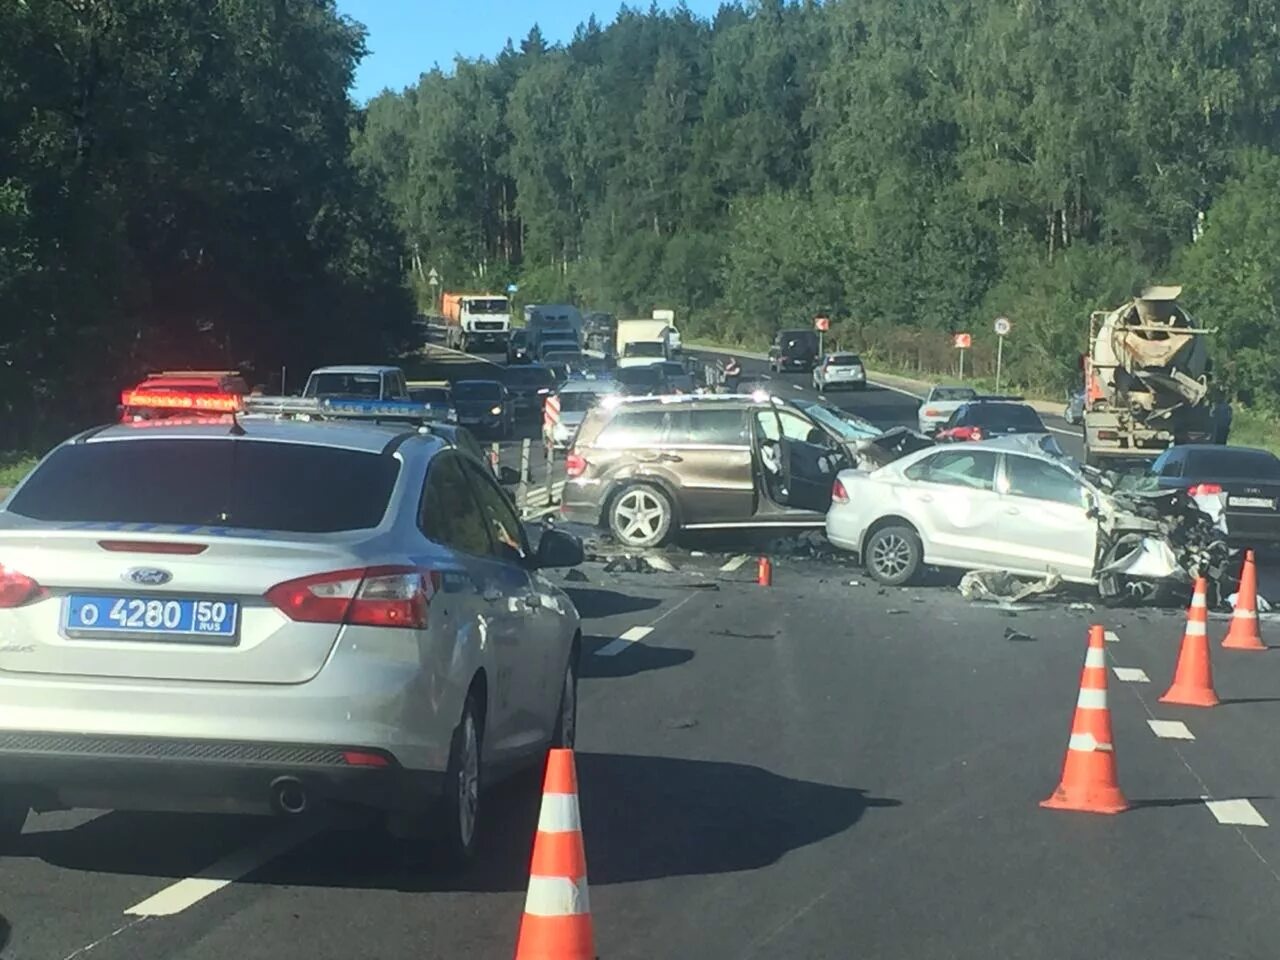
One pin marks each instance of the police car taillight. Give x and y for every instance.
(180, 400)
(17, 588)
(390, 596)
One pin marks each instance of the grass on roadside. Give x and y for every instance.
(14, 466)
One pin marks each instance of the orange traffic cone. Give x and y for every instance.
(1193, 679)
(1089, 772)
(557, 914)
(1244, 633)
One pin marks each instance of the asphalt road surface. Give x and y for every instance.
(814, 770)
(820, 769)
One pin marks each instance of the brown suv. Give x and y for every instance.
(648, 466)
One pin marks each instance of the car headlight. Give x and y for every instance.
(451, 415)
(495, 410)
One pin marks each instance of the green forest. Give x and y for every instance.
(188, 183)
(177, 190)
(912, 167)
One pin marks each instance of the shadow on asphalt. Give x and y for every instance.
(637, 658)
(593, 604)
(643, 818)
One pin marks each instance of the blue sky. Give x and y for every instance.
(407, 37)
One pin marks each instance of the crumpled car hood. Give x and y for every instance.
(1152, 534)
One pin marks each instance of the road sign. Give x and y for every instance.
(512, 288)
(821, 323)
(433, 277)
(963, 341)
(1003, 326)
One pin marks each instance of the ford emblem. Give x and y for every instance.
(148, 576)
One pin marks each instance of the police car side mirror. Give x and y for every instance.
(557, 548)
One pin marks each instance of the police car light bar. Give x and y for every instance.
(180, 400)
(344, 409)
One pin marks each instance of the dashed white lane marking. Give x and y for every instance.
(1131, 675)
(735, 563)
(624, 640)
(186, 893)
(56, 821)
(1170, 729)
(1111, 636)
(1239, 813)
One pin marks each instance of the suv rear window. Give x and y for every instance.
(364, 385)
(224, 482)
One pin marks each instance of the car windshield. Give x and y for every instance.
(1006, 416)
(363, 385)
(948, 394)
(644, 348)
(838, 424)
(578, 401)
(639, 375)
(845, 360)
(224, 481)
(487, 306)
(532, 376)
(519, 338)
(429, 394)
(1234, 464)
(477, 390)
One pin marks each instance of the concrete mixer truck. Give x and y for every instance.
(1147, 380)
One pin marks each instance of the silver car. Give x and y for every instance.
(576, 398)
(1019, 507)
(840, 370)
(266, 615)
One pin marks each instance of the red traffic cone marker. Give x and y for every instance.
(1089, 781)
(1244, 633)
(1193, 679)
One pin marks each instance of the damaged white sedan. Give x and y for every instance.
(1018, 504)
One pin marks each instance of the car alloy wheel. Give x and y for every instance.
(455, 821)
(893, 555)
(566, 732)
(468, 783)
(641, 516)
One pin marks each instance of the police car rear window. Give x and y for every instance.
(244, 484)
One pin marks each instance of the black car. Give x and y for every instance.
(518, 347)
(1249, 477)
(640, 381)
(676, 377)
(484, 406)
(984, 419)
(794, 350)
(529, 386)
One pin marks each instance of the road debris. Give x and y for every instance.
(1004, 589)
(576, 576)
(659, 562)
(1015, 637)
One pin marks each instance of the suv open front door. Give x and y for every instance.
(805, 469)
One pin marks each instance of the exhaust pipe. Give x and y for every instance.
(288, 796)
